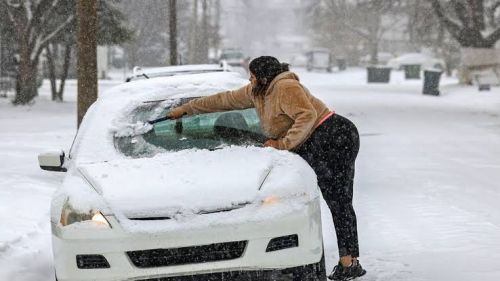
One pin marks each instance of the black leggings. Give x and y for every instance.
(331, 151)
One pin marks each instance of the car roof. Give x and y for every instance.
(146, 73)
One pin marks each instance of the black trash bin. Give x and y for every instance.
(378, 74)
(342, 64)
(412, 71)
(431, 82)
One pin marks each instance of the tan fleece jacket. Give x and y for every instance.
(288, 112)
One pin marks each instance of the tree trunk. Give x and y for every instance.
(193, 38)
(26, 88)
(173, 31)
(216, 35)
(64, 74)
(52, 71)
(57, 93)
(373, 52)
(204, 36)
(87, 56)
(373, 36)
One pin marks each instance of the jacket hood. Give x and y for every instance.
(287, 75)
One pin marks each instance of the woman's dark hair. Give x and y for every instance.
(265, 69)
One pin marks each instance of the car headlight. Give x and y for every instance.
(69, 216)
(270, 200)
(273, 199)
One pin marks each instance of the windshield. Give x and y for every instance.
(204, 131)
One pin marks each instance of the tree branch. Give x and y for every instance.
(453, 27)
(493, 37)
(461, 12)
(41, 42)
(12, 17)
(335, 11)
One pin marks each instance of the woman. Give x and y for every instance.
(297, 121)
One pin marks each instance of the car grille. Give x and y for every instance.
(187, 255)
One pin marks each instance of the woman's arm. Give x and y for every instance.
(224, 101)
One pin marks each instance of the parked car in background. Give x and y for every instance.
(298, 60)
(319, 59)
(138, 73)
(233, 57)
(425, 61)
(197, 198)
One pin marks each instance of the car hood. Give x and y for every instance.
(182, 182)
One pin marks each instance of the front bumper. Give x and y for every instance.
(113, 244)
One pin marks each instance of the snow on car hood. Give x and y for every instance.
(194, 181)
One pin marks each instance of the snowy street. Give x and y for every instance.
(427, 181)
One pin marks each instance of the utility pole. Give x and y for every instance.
(87, 56)
(173, 31)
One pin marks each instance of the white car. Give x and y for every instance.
(319, 58)
(197, 198)
(233, 57)
(425, 61)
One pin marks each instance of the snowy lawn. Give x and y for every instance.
(427, 182)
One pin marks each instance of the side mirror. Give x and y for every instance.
(52, 161)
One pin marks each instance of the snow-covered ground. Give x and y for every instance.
(427, 182)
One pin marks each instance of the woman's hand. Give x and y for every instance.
(272, 143)
(176, 113)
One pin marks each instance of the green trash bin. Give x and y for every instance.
(378, 74)
(431, 82)
(412, 71)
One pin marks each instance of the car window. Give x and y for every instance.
(203, 131)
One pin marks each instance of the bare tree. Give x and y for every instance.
(52, 58)
(193, 34)
(470, 22)
(110, 31)
(425, 30)
(35, 25)
(205, 28)
(87, 55)
(215, 35)
(365, 18)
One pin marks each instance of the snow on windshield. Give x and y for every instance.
(205, 131)
(109, 116)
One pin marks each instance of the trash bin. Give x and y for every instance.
(484, 87)
(431, 82)
(412, 71)
(378, 74)
(342, 64)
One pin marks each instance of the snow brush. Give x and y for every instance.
(151, 122)
(145, 127)
(140, 128)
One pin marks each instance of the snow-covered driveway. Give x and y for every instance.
(426, 193)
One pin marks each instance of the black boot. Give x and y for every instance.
(343, 273)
